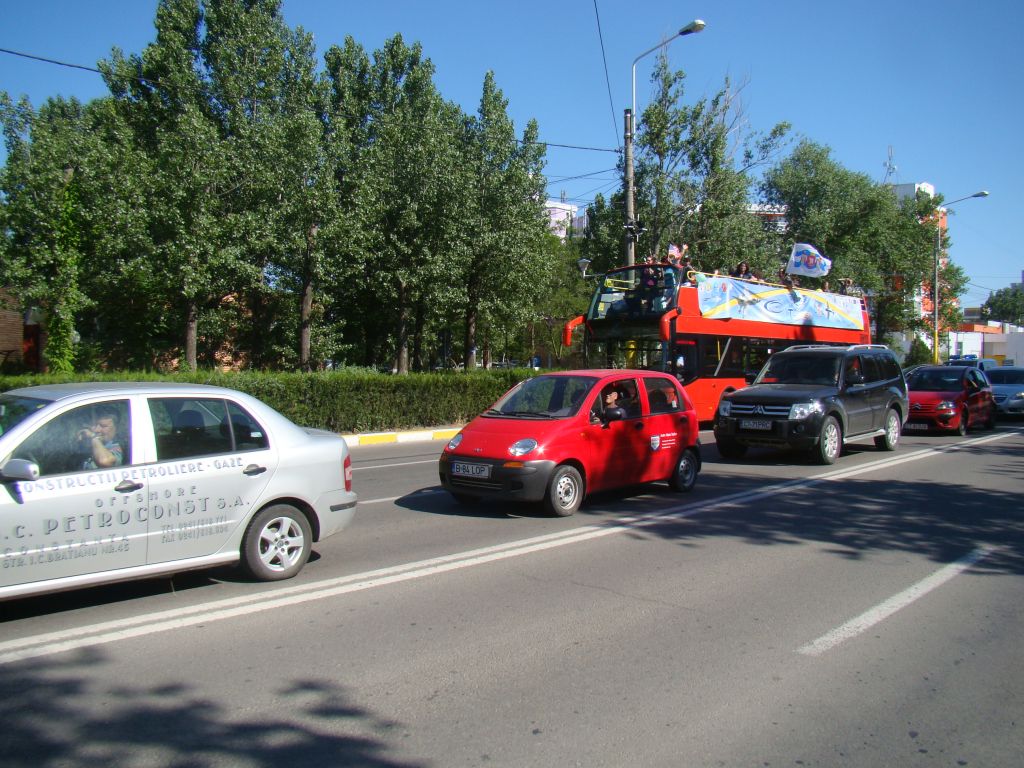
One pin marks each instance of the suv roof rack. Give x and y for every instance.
(836, 346)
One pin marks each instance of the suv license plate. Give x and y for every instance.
(763, 424)
(463, 469)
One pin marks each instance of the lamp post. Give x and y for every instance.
(630, 119)
(935, 284)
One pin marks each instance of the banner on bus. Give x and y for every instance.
(725, 297)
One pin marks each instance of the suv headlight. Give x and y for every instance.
(800, 411)
(522, 447)
(725, 407)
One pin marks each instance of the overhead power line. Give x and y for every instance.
(608, 82)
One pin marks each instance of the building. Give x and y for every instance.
(562, 217)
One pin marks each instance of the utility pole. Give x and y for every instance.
(632, 228)
(630, 223)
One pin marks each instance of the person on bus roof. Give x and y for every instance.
(742, 271)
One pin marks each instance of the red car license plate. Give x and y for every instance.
(755, 424)
(463, 469)
(912, 425)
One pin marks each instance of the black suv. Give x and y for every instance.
(816, 398)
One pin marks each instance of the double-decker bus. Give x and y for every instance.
(712, 332)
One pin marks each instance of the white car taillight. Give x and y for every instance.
(347, 469)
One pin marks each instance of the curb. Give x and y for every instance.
(376, 438)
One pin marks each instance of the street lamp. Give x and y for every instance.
(692, 28)
(935, 284)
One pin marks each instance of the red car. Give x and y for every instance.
(949, 399)
(557, 437)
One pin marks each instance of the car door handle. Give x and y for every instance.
(254, 469)
(638, 425)
(127, 486)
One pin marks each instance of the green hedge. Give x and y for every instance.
(341, 401)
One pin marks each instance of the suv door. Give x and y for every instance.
(877, 384)
(858, 396)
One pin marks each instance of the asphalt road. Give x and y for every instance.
(865, 614)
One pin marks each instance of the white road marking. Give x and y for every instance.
(884, 610)
(138, 626)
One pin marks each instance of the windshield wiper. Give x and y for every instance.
(533, 414)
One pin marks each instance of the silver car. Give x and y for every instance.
(106, 482)
(1007, 389)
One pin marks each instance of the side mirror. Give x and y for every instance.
(614, 414)
(20, 469)
(855, 377)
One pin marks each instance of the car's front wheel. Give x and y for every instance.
(565, 491)
(830, 442)
(684, 476)
(277, 543)
(961, 428)
(891, 438)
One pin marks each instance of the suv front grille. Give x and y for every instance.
(766, 411)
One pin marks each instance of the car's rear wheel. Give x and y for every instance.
(830, 442)
(891, 438)
(961, 428)
(729, 448)
(565, 491)
(277, 543)
(684, 477)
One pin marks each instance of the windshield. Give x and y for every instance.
(801, 369)
(646, 290)
(935, 380)
(14, 410)
(550, 397)
(1005, 377)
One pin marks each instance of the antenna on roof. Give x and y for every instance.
(890, 167)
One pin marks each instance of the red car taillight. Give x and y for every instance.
(347, 469)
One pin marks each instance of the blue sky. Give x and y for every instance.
(939, 82)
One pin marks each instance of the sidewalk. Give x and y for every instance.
(411, 436)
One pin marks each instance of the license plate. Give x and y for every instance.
(755, 424)
(463, 469)
(910, 425)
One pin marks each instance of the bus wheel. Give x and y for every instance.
(729, 448)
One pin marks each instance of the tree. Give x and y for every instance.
(505, 213)
(44, 220)
(883, 244)
(1005, 305)
(693, 165)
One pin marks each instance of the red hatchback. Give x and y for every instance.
(949, 399)
(557, 437)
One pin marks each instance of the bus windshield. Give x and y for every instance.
(643, 291)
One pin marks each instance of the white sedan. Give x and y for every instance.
(105, 482)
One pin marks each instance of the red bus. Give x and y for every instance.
(712, 332)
